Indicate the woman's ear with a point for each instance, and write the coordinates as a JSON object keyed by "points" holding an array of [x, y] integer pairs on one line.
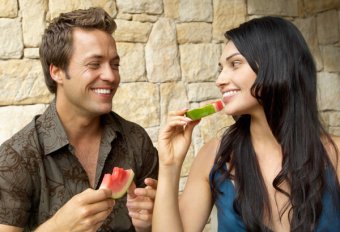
{"points": [[56, 73]]}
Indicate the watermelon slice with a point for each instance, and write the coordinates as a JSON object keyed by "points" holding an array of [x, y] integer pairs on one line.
{"points": [[119, 181], [206, 110]]}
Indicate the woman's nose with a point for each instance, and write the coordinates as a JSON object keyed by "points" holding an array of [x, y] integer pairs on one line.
{"points": [[222, 79]]}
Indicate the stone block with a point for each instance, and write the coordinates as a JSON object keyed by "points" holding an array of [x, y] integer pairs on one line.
{"points": [[198, 92], [227, 15], [173, 98], [11, 44], [328, 91], [9, 9], [22, 82], [33, 21], [331, 57], [195, 11], [132, 62], [140, 6], [334, 130], [22, 115], [124, 16], [145, 18], [314, 6], [31, 53], [138, 102], [328, 27], [199, 62], [334, 118], [273, 7], [161, 52], [131, 31], [195, 32], [153, 133], [61, 6], [171, 8]]}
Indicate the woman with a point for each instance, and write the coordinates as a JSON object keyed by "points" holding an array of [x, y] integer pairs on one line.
{"points": [[276, 168]]}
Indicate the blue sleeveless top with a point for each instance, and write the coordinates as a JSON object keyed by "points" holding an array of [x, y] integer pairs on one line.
{"points": [[229, 220]]}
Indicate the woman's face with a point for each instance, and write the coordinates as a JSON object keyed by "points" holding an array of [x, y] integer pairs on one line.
{"points": [[234, 81]]}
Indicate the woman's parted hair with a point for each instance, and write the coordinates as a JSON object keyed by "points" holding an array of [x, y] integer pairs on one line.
{"points": [[56, 44], [286, 88]]}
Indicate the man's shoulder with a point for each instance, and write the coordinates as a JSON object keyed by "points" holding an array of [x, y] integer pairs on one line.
{"points": [[24, 138]]}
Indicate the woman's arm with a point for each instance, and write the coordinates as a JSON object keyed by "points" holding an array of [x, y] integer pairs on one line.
{"points": [[196, 200], [173, 143]]}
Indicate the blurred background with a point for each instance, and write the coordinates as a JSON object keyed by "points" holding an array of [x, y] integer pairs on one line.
{"points": [[169, 53]]}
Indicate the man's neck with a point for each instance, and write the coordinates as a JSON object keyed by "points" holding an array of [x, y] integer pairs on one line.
{"points": [[78, 127]]}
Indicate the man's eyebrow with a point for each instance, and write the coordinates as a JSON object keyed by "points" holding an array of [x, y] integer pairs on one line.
{"points": [[95, 56], [232, 55]]}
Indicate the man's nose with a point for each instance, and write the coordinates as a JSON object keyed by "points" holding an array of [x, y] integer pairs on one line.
{"points": [[110, 73]]}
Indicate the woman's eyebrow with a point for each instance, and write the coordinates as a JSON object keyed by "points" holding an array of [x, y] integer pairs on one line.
{"points": [[232, 55]]}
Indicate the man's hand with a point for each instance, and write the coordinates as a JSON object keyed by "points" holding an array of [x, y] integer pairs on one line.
{"points": [[85, 211], [140, 202]]}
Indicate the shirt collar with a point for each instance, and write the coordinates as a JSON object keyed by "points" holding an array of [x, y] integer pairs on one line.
{"points": [[53, 136]]}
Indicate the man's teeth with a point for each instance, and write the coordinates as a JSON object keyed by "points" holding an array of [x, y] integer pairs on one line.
{"points": [[102, 91], [229, 93]]}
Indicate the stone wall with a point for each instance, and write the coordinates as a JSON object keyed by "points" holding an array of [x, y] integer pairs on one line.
{"points": [[169, 52]]}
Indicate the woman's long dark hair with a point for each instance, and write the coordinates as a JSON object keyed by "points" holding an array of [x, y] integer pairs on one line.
{"points": [[286, 88]]}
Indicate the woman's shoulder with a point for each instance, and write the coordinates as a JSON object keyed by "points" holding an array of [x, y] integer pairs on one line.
{"points": [[206, 156], [210, 148], [334, 153], [336, 140]]}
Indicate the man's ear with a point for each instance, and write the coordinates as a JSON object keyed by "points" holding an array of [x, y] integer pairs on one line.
{"points": [[56, 73]]}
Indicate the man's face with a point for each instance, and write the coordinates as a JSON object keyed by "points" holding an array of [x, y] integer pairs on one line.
{"points": [[92, 77]]}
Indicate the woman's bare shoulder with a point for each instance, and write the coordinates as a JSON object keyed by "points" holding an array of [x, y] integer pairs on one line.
{"points": [[334, 153], [336, 140], [210, 148], [206, 156]]}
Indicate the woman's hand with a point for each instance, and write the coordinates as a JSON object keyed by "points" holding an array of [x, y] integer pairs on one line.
{"points": [[175, 138]]}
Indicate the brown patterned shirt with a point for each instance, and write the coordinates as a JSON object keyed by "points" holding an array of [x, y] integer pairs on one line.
{"points": [[39, 172]]}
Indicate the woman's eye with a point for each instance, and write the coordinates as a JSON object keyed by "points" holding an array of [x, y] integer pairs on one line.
{"points": [[235, 63]]}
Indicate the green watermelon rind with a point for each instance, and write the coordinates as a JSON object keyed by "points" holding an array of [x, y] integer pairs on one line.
{"points": [[118, 194]]}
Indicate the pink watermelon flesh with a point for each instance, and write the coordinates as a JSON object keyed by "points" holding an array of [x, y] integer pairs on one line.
{"points": [[118, 182], [218, 105]]}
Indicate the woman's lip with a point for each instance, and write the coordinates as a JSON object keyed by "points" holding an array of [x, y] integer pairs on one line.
{"points": [[228, 95], [227, 99]]}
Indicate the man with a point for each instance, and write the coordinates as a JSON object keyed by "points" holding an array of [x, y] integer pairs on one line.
{"points": [[50, 171]]}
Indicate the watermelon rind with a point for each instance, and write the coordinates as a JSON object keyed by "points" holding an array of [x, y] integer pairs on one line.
{"points": [[110, 181]]}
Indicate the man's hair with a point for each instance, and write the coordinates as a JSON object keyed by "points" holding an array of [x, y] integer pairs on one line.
{"points": [[56, 45]]}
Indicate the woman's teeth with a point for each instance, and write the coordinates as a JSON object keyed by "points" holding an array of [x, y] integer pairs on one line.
{"points": [[230, 93]]}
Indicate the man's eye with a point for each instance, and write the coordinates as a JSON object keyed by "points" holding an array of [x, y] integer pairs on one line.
{"points": [[115, 66], [93, 65]]}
